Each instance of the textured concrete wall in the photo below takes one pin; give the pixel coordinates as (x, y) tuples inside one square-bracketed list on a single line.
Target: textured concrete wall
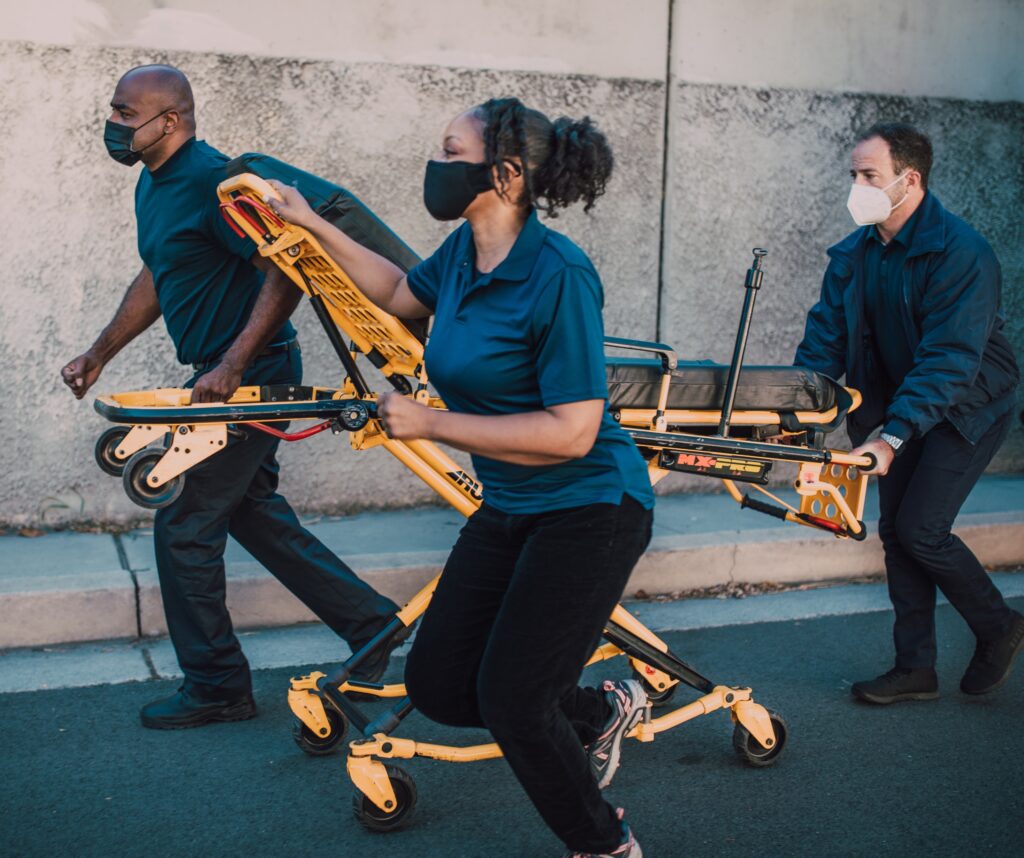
[(69, 248), (771, 168), (765, 99)]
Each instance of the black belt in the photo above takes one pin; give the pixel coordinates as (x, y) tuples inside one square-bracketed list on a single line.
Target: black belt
[(269, 351)]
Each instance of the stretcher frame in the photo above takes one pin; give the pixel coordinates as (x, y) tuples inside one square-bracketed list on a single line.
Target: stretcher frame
[(385, 794)]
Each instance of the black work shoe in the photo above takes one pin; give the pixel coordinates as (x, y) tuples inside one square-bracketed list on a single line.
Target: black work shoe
[(993, 660), (372, 670), (182, 710), (900, 683)]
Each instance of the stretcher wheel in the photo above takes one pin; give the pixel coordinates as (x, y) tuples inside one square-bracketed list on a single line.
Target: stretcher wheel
[(106, 444), (321, 746), (658, 698), (372, 818), (135, 486), (751, 750)]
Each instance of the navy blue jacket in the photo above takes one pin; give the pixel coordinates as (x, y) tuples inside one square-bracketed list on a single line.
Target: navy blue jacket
[(964, 368)]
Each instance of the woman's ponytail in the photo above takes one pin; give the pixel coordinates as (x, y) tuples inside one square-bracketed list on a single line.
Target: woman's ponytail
[(564, 161), (578, 167)]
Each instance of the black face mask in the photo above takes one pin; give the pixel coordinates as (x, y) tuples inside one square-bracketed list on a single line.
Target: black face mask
[(118, 140), (450, 186)]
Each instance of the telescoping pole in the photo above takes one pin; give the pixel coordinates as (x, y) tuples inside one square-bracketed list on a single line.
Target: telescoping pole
[(753, 282)]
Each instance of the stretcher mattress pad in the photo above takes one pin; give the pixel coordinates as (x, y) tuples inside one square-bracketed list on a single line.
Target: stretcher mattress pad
[(700, 386)]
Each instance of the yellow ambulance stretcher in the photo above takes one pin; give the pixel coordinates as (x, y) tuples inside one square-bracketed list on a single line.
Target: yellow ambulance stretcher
[(732, 423)]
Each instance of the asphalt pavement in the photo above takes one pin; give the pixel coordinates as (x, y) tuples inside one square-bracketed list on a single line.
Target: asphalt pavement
[(79, 776)]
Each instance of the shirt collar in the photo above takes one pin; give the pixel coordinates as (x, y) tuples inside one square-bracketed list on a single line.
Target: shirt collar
[(169, 168), (904, 236), (519, 263)]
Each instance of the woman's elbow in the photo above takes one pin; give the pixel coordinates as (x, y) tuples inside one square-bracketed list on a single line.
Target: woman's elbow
[(581, 443)]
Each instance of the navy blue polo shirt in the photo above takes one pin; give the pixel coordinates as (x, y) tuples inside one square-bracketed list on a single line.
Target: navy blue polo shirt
[(883, 299), (521, 338), (204, 281)]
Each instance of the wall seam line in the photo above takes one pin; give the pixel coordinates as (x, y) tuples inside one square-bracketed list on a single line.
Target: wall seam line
[(665, 143)]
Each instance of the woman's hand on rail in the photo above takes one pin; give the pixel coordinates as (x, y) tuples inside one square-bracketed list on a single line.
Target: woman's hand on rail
[(292, 206), (882, 452), (402, 418)]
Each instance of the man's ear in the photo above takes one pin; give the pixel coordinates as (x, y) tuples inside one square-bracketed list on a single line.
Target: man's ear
[(913, 179), (172, 119)]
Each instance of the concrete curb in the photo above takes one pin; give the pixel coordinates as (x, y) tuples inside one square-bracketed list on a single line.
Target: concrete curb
[(313, 644), (796, 555), (68, 587)]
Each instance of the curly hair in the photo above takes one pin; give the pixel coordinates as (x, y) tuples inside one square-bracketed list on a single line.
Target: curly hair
[(563, 162)]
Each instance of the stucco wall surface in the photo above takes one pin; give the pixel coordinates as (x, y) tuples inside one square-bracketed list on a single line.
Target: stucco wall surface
[(607, 38), (770, 168), (69, 249), (945, 48), (765, 101)]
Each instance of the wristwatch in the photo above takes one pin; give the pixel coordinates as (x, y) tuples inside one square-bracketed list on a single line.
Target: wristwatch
[(892, 441)]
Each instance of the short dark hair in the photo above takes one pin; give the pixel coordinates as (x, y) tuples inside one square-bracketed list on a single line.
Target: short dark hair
[(908, 147)]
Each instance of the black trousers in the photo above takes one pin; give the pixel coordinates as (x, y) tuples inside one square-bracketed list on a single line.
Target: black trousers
[(235, 492), (518, 611), (919, 500)]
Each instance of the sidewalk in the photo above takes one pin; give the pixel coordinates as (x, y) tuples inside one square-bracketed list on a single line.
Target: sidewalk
[(114, 662), (73, 587)]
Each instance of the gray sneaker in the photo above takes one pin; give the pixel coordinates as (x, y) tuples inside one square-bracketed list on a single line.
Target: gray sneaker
[(629, 848), (628, 701)]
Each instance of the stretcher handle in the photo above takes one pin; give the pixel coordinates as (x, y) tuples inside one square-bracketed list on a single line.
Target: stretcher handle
[(865, 461), (666, 353), (249, 182)]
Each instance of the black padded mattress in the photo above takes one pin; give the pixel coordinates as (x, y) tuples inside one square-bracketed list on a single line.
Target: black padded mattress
[(700, 385)]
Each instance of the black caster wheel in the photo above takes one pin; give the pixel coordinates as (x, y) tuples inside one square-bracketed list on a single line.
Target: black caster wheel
[(751, 750), (658, 697), (135, 486), (106, 444), (372, 818), (321, 746)]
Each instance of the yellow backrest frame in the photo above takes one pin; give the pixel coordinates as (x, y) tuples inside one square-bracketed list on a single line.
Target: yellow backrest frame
[(300, 256)]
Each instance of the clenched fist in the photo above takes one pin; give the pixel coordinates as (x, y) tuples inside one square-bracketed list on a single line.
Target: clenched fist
[(81, 373)]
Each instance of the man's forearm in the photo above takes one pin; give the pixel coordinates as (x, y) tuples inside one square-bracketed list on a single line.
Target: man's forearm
[(274, 306), (138, 310)]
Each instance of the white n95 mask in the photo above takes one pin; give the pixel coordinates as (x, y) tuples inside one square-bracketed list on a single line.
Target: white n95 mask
[(868, 204)]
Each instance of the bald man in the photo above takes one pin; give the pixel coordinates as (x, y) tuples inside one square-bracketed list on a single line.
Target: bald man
[(227, 311)]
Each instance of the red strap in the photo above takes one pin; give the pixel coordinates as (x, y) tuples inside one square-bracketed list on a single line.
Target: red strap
[(825, 524), (292, 436), (224, 209), (262, 209)]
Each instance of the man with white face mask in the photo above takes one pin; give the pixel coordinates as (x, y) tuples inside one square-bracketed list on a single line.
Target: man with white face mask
[(910, 314)]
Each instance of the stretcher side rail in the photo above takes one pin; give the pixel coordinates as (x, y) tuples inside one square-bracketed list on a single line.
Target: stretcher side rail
[(355, 412), (669, 361)]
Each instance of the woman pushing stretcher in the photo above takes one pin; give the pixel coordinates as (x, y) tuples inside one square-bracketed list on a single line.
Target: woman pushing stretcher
[(517, 355)]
